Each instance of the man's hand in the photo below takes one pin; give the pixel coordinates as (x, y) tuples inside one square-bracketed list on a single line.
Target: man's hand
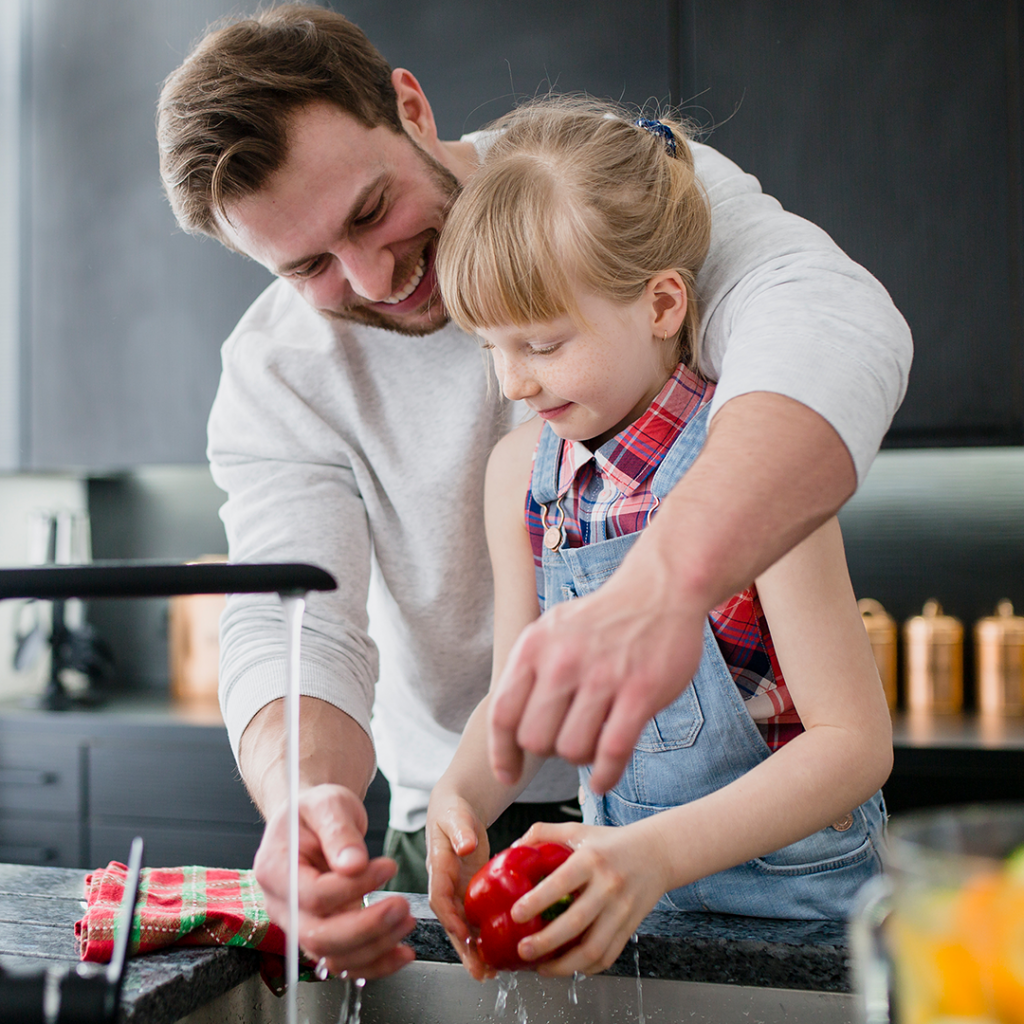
[(457, 848), (334, 875), (582, 681), (584, 678)]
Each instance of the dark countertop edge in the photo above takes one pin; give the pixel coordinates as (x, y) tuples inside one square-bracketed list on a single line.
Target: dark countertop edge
[(158, 711), (809, 955)]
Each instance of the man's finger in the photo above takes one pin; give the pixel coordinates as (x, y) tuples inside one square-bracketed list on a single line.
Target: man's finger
[(580, 727), (506, 708), (357, 938), (624, 723), (338, 819)]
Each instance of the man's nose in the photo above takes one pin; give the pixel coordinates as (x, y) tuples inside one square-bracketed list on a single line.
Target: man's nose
[(368, 271)]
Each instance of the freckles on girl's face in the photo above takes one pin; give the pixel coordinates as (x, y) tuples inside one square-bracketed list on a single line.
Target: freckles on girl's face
[(588, 382)]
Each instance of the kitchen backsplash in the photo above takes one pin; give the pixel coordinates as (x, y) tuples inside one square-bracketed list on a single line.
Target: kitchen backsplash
[(942, 523), (21, 495)]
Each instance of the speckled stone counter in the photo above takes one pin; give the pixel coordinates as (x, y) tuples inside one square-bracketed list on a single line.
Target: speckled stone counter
[(38, 907)]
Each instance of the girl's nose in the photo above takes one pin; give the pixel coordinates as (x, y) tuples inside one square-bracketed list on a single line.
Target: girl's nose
[(516, 383)]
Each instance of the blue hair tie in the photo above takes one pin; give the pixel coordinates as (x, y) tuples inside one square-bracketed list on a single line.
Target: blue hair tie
[(657, 128)]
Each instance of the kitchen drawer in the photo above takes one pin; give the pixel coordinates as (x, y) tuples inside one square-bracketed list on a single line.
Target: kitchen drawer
[(40, 776), (170, 845), (185, 781), (40, 841)]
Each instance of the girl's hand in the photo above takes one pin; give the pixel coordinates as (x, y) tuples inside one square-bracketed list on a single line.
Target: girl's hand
[(457, 847), (612, 896)]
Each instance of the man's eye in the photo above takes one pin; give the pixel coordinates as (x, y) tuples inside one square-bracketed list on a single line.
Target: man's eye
[(310, 269), (374, 215)]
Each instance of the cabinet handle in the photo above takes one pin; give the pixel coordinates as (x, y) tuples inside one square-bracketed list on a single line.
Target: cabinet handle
[(27, 777), (27, 855)]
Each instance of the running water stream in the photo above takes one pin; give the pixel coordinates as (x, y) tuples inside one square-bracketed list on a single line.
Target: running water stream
[(294, 605), (641, 1019)]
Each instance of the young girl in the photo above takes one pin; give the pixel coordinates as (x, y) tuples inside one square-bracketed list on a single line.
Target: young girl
[(573, 253)]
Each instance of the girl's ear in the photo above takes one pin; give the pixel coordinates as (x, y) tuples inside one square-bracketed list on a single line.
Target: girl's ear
[(667, 294), (414, 109)]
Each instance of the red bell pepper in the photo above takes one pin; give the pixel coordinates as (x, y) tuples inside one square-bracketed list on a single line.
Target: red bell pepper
[(493, 891)]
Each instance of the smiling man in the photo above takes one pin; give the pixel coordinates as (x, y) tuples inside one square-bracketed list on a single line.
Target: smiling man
[(352, 428)]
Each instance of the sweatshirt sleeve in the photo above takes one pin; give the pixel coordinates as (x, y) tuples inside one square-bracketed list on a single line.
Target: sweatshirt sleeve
[(292, 497), (783, 309)]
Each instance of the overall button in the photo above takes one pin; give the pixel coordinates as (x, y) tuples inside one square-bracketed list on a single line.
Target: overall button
[(844, 823)]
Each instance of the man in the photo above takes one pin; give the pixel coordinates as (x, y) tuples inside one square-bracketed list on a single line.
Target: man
[(352, 426)]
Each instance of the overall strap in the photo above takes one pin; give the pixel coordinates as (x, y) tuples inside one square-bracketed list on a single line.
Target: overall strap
[(546, 464), (682, 454)]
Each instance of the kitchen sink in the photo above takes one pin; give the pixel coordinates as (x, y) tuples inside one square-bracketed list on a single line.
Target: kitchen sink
[(434, 993)]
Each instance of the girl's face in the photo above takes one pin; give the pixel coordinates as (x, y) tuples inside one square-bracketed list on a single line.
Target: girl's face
[(587, 383)]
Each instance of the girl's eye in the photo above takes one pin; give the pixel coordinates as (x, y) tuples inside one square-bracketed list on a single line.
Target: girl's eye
[(546, 350), (486, 345)]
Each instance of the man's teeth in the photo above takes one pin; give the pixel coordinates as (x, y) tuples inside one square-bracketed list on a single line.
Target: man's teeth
[(410, 285)]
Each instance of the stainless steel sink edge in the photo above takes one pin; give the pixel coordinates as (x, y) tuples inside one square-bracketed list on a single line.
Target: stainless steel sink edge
[(432, 993)]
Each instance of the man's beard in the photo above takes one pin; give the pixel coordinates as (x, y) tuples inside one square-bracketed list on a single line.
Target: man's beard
[(448, 186)]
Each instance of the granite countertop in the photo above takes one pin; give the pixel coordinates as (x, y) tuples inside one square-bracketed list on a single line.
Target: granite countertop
[(38, 908)]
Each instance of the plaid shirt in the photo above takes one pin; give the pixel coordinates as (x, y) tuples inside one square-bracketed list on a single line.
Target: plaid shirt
[(614, 484)]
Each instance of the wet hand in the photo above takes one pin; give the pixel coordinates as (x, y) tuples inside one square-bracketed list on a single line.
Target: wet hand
[(583, 680), (335, 873), (611, 897), (457, 847)]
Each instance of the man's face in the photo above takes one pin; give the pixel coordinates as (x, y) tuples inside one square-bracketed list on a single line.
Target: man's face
[(350, 220)]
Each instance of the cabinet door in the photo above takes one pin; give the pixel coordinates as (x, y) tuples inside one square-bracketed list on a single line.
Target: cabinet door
[(184, 798), (153, 779), (41, 840), (897, 128)]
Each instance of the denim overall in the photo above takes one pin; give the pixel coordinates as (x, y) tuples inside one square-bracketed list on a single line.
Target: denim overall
[(704, 740)]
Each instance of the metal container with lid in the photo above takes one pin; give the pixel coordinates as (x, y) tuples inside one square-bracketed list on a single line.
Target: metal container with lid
[(934, 645), (881, 629), (999, 651)]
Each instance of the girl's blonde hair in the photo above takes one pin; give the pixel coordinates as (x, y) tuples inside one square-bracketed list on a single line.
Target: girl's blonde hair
[(573, 194)]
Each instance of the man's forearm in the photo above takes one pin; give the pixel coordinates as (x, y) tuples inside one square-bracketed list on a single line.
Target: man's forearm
[(332, 748), (771, 472)]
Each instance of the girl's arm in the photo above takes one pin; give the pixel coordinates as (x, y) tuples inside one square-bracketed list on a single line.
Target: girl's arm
[(844, 755), (468, 797)]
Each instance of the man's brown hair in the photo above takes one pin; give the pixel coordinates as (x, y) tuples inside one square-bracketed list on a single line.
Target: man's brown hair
[(222, 116)]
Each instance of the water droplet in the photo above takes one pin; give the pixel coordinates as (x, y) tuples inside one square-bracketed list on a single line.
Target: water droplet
[(505, 985), (347, 990), (322, 971)]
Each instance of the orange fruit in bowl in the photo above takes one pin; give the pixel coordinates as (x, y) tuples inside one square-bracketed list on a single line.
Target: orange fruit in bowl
[(1008, 965)]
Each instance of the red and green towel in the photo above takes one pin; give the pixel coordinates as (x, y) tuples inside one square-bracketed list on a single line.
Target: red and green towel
[(186, 906)]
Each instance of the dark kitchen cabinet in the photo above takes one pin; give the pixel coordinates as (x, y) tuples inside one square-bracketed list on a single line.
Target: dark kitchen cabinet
[(76, 787), (897, 128)]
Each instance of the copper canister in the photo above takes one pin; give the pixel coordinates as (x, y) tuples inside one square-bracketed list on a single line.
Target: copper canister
[(934, 645), (881, 629), (999, 649)]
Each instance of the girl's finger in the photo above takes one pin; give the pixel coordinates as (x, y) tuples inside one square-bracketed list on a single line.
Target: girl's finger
[(565, 928)]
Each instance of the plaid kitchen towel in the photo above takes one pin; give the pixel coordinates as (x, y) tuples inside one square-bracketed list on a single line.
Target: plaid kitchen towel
[(186, 906)]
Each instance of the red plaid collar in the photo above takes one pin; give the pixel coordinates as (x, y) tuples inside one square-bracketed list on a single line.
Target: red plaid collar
[(629, 458)]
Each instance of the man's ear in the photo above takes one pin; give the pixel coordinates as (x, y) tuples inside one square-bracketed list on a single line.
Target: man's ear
[(414, 109), (667, 294)]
